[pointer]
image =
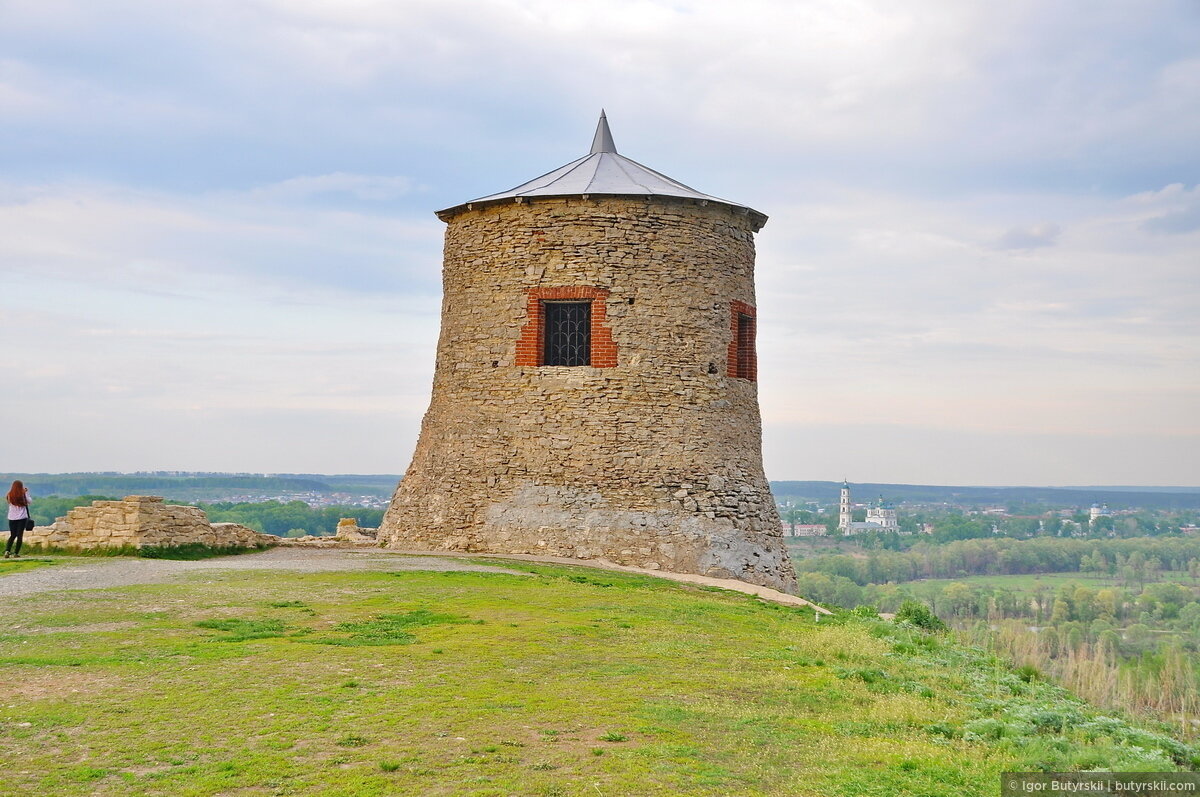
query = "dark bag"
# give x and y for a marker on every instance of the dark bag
(28, 518)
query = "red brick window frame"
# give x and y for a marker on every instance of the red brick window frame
(532, 342)
(743, 327)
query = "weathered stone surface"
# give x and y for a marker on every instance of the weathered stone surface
(654, 462)
(139, 521)
(349, 531)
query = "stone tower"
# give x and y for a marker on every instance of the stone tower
(594, 395)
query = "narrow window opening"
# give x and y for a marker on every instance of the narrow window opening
(745, 347)
(568, 333)
(743, 360)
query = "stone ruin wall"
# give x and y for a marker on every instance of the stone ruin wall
(140, 521)
(655, 462)
(348, 535)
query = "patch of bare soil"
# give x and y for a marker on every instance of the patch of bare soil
(32, 683)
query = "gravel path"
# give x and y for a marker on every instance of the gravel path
(93, 573)
(96, 573)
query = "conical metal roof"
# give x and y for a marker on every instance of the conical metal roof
(603, 172)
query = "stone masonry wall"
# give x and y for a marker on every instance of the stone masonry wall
(139, 521)
(654, 461)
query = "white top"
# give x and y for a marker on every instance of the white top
(19, 512)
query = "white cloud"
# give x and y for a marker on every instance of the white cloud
(209, 243)
(111, 379)
(361, 186)
(1031, 237)
(1172, 211)
(907, 317)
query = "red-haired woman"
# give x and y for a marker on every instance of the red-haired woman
(18, 517)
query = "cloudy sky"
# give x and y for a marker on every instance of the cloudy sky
(982, 266)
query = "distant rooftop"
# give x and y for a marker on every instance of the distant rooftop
(604, 172)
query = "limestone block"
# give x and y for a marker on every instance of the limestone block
(348, 530)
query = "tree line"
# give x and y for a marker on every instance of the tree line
(1007, 556)
(293, 518)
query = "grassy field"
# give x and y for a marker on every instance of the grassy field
(19, 565)
(558, 681)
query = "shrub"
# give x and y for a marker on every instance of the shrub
(918, 614)
(1028, 673)
(942, 729)
(867, 676)
(991, 730)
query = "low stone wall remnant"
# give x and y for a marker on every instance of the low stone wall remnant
(349, 535)
(140, 521)
(349, 530)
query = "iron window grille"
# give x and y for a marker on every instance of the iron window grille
(568, 333)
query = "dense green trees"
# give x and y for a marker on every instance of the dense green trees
(1135, 561)
(46, 510)
(278, 518)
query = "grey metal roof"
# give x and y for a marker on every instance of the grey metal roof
(603, 171)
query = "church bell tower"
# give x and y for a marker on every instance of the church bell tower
(844, 509)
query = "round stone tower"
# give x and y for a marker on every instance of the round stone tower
(595, 394)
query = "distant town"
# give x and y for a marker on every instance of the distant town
(313, 498)
(959, 513)
(871, 513)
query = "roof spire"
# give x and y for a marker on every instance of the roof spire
(603, 142)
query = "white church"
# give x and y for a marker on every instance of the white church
(880, 516)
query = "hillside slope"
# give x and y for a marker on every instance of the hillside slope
(551, 681)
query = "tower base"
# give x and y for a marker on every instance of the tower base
(563, 521)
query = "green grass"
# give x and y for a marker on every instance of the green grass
(190, 551)
(563, 681)
(239, 629)
(194, 551)
(388, 629)
(8, 566)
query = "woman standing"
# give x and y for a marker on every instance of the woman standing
(18, 518)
